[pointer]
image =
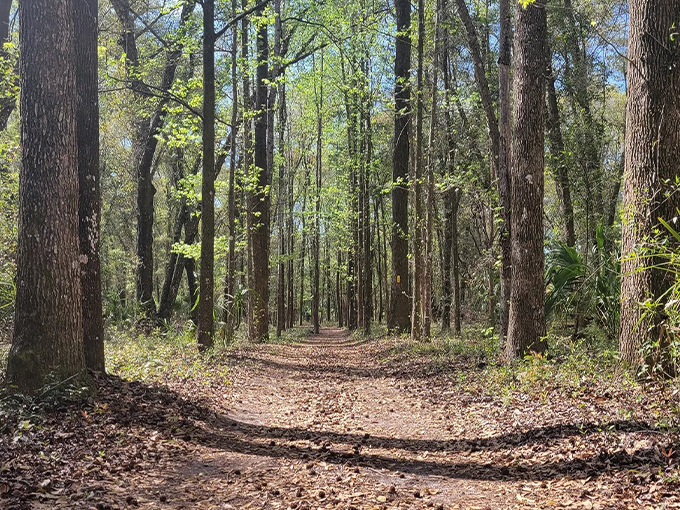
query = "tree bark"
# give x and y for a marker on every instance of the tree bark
(48, 333)
(651, 166)
(526, 331)
(85, 16)
(206, 327)
(259, 210)
(230, 277)
(419, 227)
(399, 316)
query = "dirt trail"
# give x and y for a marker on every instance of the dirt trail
(324, 424)
(320, 425)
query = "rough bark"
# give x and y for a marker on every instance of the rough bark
(399, 316)
(85, 19)
(206, 327)
(259, 210)
(281, 316)
(651, 165)
(48, 334)
(526, 331)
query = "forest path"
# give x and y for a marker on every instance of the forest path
(320, 424)
(332, 422)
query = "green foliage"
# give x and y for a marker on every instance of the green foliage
(590, 289)
(662, 355)
(163, 356)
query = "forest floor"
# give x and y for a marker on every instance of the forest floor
(336, 422)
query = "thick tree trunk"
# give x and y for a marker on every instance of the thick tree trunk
(652, 164)
(447, 248)
(526, 332)
(399, 316)
(48, 333)
(432, 157)
(206, 327)
(259, 232)
(291, 249)
(85, 18)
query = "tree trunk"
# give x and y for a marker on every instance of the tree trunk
(367, 259)
(316, 241)
(557, 159)
(230, 277)
(259, 210)
(526, 332)
(457, 319)
(419, 227)
(303, 247)
(206, 327)
(652, 164)
(281, 317)
(399, 316)
(85, 18)
(48, 332)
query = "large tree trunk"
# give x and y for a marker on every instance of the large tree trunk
(526, 331)
(652, 164)
(206, 326)
(259, 210)
(85, 16)
(48, 334)
(399, 316)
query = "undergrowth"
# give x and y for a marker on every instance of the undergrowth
(164, 355)
(570, 367)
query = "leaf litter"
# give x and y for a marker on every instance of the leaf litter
(331, 423)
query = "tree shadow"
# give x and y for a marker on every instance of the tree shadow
(163, 410)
